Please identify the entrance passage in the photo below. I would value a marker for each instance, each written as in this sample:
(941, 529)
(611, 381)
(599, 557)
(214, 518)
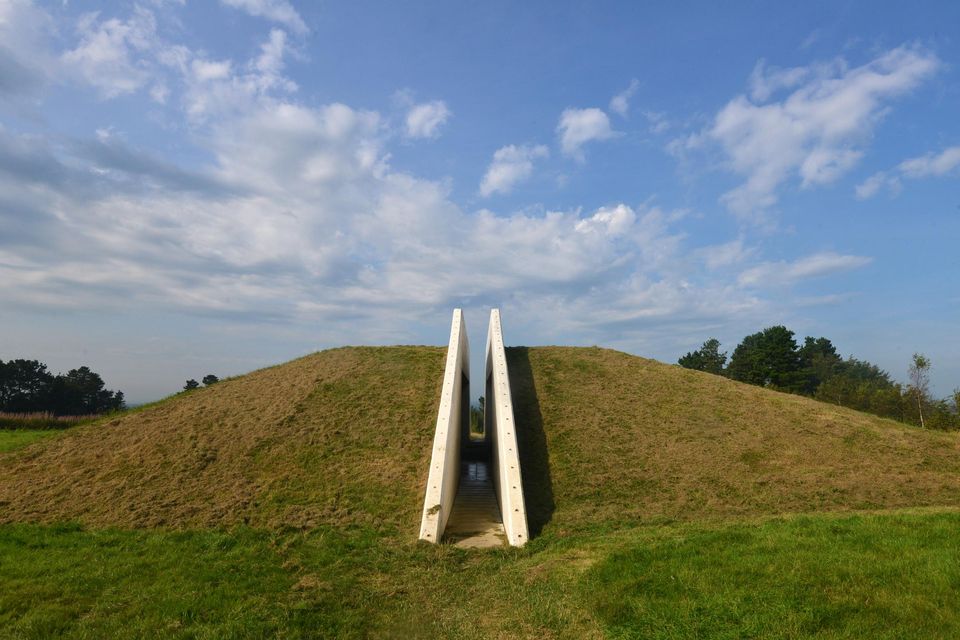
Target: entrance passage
(474, 493)
(475, 521)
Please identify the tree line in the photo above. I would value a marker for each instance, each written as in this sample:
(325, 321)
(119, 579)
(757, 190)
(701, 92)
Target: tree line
(208, 380)
(772, 358)
(27, 386)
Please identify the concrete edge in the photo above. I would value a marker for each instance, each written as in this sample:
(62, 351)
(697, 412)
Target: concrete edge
(445, 460)
(507, 478)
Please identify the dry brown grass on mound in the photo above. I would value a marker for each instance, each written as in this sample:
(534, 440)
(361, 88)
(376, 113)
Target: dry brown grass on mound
(343, 437)
(338, 437)
(630, 439)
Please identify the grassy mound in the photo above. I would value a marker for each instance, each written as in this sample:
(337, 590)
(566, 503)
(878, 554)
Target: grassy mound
(284, 503)
(339, 437)
(613, 439)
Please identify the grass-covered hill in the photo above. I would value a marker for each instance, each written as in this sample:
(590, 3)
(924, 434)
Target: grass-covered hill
(615, 439)
(666, 503)
(343, 437)
(338, 437)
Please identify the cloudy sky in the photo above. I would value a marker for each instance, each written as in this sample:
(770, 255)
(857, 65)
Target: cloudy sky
(213, 186)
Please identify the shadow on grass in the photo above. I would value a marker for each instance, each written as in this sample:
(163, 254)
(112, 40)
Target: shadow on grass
(534, 457)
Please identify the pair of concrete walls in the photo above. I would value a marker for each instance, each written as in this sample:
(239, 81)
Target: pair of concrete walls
(444, 476)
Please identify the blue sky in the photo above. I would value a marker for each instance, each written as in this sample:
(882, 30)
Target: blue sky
(194, 187)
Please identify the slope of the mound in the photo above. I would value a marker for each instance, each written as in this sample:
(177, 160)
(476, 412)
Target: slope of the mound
(609, 438)
(338, 437)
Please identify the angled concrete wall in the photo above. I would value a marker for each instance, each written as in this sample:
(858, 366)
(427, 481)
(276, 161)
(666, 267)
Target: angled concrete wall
(445, 459)
(500, 426)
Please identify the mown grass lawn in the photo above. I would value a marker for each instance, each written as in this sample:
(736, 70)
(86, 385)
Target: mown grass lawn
(11, 439)
(893, 575)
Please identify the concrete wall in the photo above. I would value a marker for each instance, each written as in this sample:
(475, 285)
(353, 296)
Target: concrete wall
(445, 461)
(499, 422)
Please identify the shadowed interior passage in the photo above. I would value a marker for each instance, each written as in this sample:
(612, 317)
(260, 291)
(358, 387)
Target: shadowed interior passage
(475, 520)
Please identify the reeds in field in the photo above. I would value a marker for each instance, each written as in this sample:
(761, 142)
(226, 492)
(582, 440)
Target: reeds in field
(41, 420)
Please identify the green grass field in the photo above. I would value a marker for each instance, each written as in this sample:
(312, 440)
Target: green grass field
(665, 503)
(17, 438)
(893, 575)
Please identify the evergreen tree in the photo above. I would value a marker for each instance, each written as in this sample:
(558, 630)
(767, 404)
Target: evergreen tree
(770, 359)
(707, 358)
(82, 392)
(819, 361)
(25, 386)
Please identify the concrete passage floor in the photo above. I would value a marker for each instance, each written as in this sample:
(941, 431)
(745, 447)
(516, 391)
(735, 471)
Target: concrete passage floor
(475, 521)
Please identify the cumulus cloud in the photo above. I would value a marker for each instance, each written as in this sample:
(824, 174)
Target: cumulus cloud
(215, 88)
(928, 165)
(816, 132)
(300, 216)
(620, 103)
(107, 55)
(511, 164)
(785, 273)
(426, 119)
(207, 70)
(580, 126)
(608, 221)
(295, 215)
(280, 11)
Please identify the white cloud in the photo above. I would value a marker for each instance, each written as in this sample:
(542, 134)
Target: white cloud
(426, 119)
(726, 254)
(280, 11)
(207, 70)
(610, 221)
(785, 273)
(816, 132)
(580, 126)
(290, 218)
(510, 165)
(764, 81)
(931, 164)
(925, 166)
(159, 92)
(302, 217)
(107, 55)
(272, 53)
(871, 186)
(298, 216)
(215, 88)
(620, 103)
(658, 121)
